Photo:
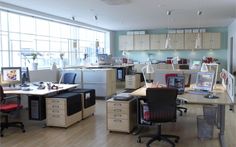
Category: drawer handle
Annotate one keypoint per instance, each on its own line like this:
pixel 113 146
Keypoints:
pixel 117 115
pixel 117 110
pixel 55 106
pixel 55 115
pixel 55 111
pixel 117 120
pixel 117 104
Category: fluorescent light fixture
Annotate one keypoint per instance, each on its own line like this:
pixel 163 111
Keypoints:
pixel 167 43
pixel 149 69
pixel 204 68
pixel 198 41
pixel 172 61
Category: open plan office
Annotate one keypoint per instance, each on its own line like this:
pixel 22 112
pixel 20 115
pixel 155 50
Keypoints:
pixel 117 73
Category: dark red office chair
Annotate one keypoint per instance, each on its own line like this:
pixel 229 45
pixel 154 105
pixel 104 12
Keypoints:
pixel 179 108
pixel 161 103
pixel 5 109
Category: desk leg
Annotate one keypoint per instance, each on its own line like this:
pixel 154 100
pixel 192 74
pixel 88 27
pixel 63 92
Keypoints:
pixel 139 127
pixel 222 125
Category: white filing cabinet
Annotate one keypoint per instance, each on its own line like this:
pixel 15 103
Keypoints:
pixel 102 80
pixel 132 81
pixel 121 115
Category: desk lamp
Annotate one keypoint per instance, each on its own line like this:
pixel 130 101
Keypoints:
pixel 149 69
pixel 204 68
pixel 172 61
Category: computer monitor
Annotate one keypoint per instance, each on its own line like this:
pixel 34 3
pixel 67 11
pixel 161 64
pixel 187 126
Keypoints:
pixel 25 76
pixel 205 81
pixel 177 82
pixel 11 75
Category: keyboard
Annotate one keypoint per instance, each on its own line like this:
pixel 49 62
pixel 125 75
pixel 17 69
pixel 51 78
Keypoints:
pixel 11 88
pixel 200 92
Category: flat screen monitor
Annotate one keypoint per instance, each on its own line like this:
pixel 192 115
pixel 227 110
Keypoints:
pixel 11 75
pixel 205 81
pixel 177 82
pixel 24 76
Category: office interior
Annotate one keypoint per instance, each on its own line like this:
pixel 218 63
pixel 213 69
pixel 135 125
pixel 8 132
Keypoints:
pixel 108 53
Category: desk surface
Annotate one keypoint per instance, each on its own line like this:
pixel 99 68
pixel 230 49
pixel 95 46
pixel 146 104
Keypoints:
pixel 196 99
pixel 35 91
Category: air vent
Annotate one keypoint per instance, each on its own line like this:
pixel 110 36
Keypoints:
pixel 116 2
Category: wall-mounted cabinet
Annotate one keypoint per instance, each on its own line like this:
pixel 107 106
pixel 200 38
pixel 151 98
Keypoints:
pixel 126 42
pixel 211 40
pixel 157 41
pixel 190 40
pixel 176 40
pixel 141 42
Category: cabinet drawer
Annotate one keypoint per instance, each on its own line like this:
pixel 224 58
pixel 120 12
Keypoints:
pixel 55 120
pixel 118 108
pixel 55 106
pixel 118 116
pixel 56 111
pixel 57 101
pixel 118 125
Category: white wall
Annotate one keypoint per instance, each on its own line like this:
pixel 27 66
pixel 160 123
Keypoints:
pixel 232 33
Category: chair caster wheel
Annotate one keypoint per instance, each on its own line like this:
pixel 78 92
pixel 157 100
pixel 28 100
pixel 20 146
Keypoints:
pixel 176 140
pixel 185 111
pixel 23 131
pixel 139 140
pixel 1 135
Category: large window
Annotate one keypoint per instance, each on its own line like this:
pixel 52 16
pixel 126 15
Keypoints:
pixel 22 35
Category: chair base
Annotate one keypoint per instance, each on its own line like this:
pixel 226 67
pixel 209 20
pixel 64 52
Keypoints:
pixel 6 125
pixel 180 110
pixel 159 137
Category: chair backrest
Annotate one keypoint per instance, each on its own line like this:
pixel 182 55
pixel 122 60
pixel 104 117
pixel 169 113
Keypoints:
pixel 1 94
pixel 69 78
pixel 162 104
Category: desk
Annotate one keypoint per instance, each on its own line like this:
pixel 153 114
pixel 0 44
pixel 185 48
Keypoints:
pixel 223 100
pixel 36 98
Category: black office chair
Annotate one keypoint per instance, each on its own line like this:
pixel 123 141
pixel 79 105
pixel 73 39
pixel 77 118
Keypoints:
pixel 5 109
pixel 161 103
pixel 69 78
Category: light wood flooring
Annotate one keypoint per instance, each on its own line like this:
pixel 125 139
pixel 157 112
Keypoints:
pixel 92 132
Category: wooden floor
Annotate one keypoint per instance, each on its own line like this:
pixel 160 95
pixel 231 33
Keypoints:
pixel 92 132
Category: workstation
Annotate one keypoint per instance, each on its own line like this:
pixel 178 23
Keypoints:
pixel 85 71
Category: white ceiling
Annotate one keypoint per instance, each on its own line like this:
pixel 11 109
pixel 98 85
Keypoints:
pixel 138 14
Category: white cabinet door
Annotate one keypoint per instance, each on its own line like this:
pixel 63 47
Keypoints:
pixel 176 41
pixel 211 40
pixel 141 42
pixel 126 42
pixel 157 41
pixel 190 40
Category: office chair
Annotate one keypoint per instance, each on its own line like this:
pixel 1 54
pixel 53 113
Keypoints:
pixel 161 103
pixel 178 102
pixel 69 78
pixel 5 109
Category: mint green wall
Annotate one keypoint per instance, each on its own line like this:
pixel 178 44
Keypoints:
pixel 142 56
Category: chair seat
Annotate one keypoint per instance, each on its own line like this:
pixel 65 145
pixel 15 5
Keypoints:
pixel 9 107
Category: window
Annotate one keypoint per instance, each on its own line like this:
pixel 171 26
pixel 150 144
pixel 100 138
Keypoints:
pixel 22 35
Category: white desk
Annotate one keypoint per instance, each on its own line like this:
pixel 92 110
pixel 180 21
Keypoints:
pixel 36 98
pixel 223 100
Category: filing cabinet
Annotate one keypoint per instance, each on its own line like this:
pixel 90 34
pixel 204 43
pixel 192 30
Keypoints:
pixel 121 115
pixel 132 81
pixel 63 110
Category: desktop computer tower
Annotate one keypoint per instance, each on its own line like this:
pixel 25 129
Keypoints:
pixel 37 108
